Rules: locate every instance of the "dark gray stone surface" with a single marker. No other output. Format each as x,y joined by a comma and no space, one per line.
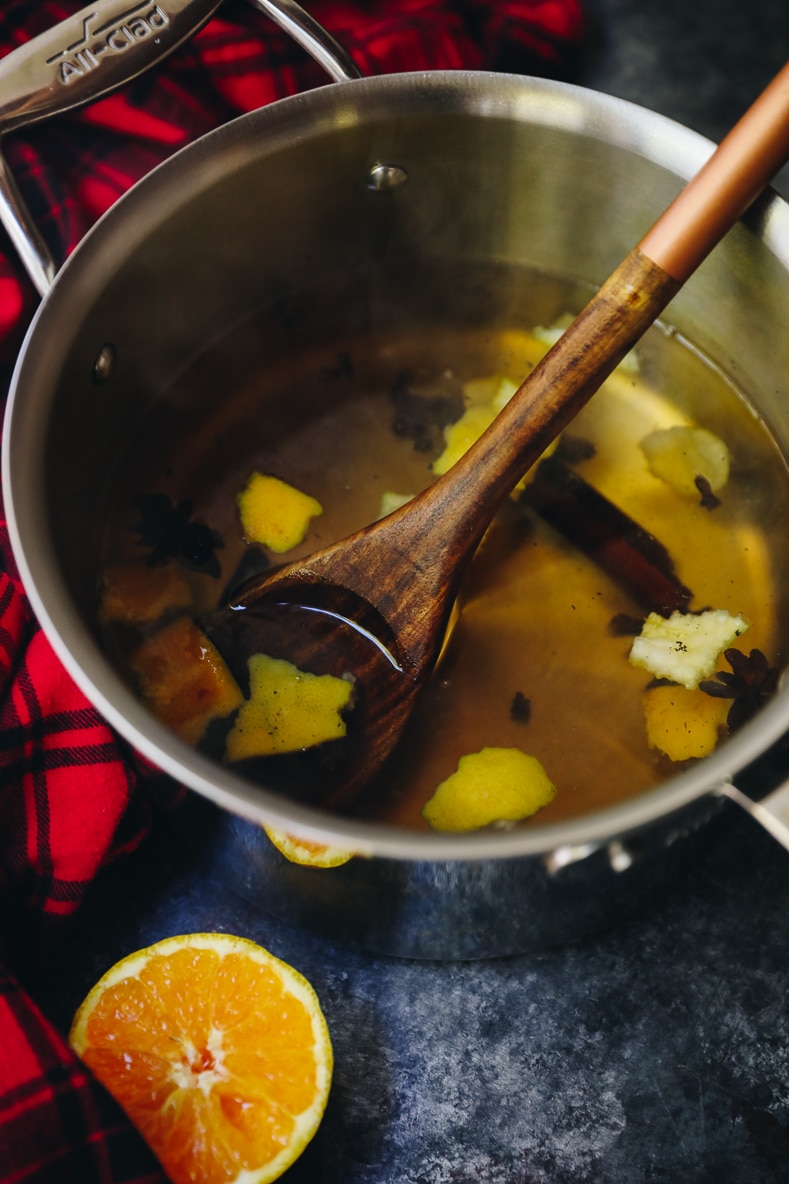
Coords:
658,1051
701,62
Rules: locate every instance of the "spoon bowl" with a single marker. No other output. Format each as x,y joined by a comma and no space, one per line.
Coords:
346,639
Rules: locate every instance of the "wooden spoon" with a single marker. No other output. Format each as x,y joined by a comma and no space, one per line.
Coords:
375,605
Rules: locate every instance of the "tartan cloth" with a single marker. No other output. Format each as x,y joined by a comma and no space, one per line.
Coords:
72,794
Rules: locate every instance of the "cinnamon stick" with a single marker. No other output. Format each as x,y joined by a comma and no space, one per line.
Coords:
609,537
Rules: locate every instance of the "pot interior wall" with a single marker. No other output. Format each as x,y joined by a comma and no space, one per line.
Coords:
268,236
256,222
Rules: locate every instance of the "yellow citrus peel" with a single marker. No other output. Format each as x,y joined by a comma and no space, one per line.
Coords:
274,513
485,397
493,785
684,724
680,455
288,709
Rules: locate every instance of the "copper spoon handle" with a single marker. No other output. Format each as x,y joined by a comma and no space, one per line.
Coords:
745,161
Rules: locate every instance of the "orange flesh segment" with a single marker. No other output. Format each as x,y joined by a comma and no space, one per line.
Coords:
214,1058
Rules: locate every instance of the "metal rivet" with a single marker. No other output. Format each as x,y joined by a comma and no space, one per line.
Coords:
620,857
104,364
383,177
565,856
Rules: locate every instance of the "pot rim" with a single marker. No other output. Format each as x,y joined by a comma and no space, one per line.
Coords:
661,140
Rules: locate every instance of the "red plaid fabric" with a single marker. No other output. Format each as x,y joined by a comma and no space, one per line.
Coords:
72,796
55,1124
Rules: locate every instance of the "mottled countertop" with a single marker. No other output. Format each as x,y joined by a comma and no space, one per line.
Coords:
656,1051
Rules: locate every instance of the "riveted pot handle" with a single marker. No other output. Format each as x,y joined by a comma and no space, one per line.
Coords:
771,811
97,50
306,31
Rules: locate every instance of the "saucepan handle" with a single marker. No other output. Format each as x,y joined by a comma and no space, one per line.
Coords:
771,812
311,36
99,49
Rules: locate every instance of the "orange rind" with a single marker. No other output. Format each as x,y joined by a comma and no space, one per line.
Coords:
218,1052
304,852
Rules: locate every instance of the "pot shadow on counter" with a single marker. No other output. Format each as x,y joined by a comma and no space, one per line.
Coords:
199,858
466,910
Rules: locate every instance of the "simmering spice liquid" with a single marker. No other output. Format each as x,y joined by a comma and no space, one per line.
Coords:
533,661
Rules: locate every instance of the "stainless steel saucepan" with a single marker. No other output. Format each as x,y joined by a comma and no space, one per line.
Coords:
352,188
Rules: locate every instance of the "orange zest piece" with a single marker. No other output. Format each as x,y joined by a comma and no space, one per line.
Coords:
288,709
684,724
305,852
184,680
138,593
274,513
493,785
218,1052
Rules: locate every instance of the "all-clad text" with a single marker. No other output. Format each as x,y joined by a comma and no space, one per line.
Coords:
139,22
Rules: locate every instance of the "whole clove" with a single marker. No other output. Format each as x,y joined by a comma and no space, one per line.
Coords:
520,708
708,500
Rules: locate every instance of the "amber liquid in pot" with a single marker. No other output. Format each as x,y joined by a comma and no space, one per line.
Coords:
348,421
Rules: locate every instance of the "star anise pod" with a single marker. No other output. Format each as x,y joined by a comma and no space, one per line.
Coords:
422,418
170,533
751,681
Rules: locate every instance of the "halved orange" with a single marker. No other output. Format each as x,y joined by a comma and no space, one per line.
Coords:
218,1052
305,852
